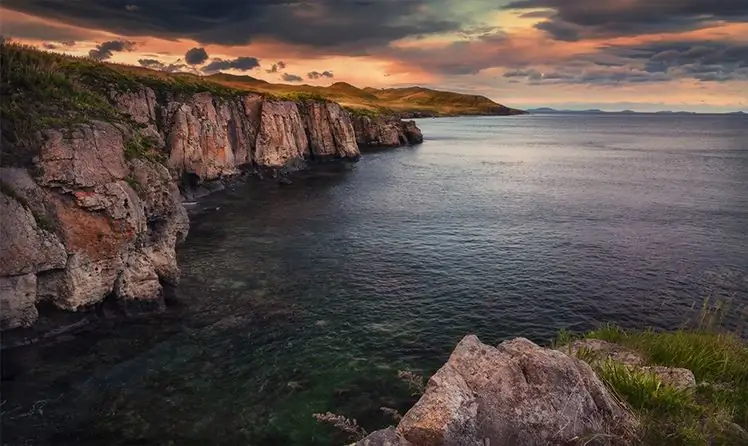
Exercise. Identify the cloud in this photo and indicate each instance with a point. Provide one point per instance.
(58, 45)
(155, 64)
(277, 67)
(337, 26)
(707, 61)
(105, 50)
(240, 63)
(288, 77)
(151, 63)
(18, 28)
(318, 75)
(574, 20)
(196, 56)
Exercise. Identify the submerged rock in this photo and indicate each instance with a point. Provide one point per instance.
(515, 394)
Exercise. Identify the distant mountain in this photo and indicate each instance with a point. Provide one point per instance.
(669, 112)
(624, 112)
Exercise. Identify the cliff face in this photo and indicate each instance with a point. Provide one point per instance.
(212, 137)
(84, 223)
(98, 213)
(385, 131)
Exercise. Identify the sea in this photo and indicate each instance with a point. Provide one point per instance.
(313, 297)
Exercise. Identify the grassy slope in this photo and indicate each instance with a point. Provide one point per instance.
(46, 90)
(401, 100)
(707, 415)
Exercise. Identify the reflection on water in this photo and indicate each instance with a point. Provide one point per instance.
(310, 297)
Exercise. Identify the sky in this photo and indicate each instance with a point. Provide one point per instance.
(645, 55)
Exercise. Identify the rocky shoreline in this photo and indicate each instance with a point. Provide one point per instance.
(93, 213)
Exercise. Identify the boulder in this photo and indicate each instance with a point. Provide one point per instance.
(597, 351)
(383, 437)
(677, 377)
(515, 394)
(593, 350)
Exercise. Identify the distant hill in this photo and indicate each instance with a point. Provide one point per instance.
(553, 110)
(410, 101)
(545, 110)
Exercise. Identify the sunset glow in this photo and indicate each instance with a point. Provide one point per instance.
(613, 55)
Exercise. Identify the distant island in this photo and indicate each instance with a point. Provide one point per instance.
(548, 110)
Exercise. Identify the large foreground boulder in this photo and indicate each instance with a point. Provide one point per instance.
(515, 394)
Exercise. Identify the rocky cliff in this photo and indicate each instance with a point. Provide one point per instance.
(385, 131)
(93, 210)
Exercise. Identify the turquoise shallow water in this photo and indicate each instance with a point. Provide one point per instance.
(310, 297)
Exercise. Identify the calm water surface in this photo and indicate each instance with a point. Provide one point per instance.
(310, 297)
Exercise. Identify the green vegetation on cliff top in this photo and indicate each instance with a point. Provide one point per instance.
(410, 100)
(43, 89)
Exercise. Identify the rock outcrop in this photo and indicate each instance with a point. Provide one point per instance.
(597, 352)
(385, 131)
(515, 394)
(88, 225)
(97, 212)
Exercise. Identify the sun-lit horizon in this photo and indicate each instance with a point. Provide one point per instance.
(612, 56)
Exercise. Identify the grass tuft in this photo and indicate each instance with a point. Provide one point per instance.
(714, 413)
(347, 425)
(138, 147)
(363, 112)
(298, 96)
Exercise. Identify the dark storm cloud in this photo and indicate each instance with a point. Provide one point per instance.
(40, 31)
(572, 20)
(277, 67)
(318, 75)
(346, 25)
(705, 61)
(288, 77)
(702, 60)
(196, 56)
(240, 63)
(589, 75)
(105, 50)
